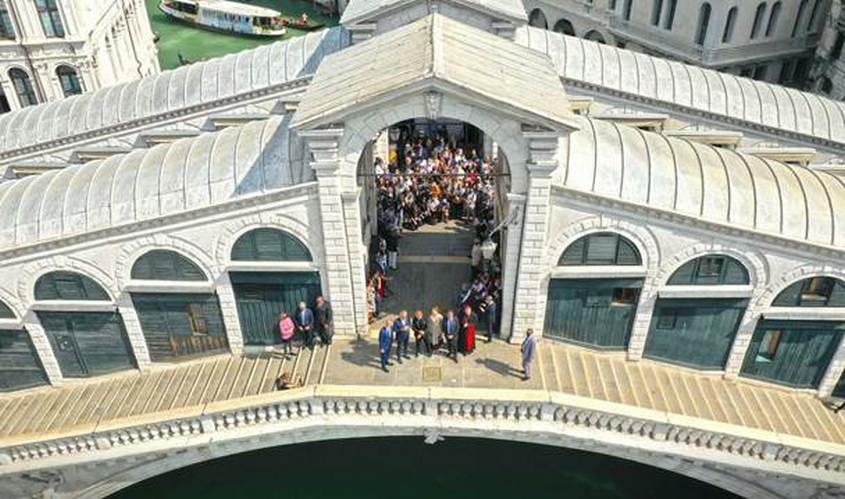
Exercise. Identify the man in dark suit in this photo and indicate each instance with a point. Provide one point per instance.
(323, 311)
(385, 342)
(451, 327)
(402, 330)
(305, 323)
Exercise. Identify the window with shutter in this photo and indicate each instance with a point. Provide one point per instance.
(601, 249)
(19, 364)
(68, 286)
(6, 312)
(269, 245)
(166, 265)
(710, 270)
(812, 292)
(87, 343)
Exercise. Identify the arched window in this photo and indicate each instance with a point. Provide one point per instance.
(269, 245)
(603, 248)
(23, 87)
(565, 27)
(758, 20)
(669, 20)
(7, 29)
(826, 85)
(538, 19)
(774, 16)
(51, 19)
(703, 23)
(799, 17)
(166, 265)
(813, 292)
(69, 80)
(710, 270)
(656, 10)
(730, 23)
(6, 312)
(63, 285)
(595, 36)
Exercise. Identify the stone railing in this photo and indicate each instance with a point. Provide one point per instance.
(436, 411)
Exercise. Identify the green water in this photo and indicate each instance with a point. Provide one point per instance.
(196, 44)
(406, 468)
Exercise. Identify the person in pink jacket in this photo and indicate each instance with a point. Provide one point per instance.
(286, 329)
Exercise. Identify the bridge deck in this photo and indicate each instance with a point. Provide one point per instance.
(84, 406)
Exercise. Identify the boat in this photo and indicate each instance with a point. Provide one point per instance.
(227, 16)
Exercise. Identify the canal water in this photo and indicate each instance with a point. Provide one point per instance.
(407, 468)
(198, 44)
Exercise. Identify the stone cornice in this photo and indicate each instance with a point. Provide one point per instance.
(818, 142)
(435, 409)
(126, 126)
(567, 194)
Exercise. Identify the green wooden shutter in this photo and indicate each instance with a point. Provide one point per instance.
(735, 273)
(165, 265)
(170, 330)
(697, 333)
(262, 296)
(685, 274)
(583, 311)
(269, 245)
(601, 249)
(6, 312)
(837, 297)
(19, 364)
(574, 254)
(627, 254)
(87, 343)
(801, 357)
(789, 297)
(68, 286)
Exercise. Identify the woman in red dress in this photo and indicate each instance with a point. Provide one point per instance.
(468, 328)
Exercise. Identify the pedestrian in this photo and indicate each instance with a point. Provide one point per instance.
(392, 247)
(402, 330)
(324, 324)
(451, 328)
(529, 352)
(491, 316)
(305, 324)
(287, 329)
(385, 342)
(476, 257)
(466, 337)
(435, 329)
(420, 327)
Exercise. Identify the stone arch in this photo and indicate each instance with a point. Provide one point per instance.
(715, 475)
(754, 263)
(565, 27)
(130, 253)
(235, 229)
(537, 18)
(642, 238)
(766, 298)
(31, 272)
(505, 131)
(595, 36)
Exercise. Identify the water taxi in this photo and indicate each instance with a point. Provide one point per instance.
(223, 15)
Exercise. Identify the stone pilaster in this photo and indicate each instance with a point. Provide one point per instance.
(834, 371)
(642, 321)
(357, 257)
(134, 333)
(334, 213)
(43, 349)
(542, 161)
(513, 242)
(229, 312)
(742, 339)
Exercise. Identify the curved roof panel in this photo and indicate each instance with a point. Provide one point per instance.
(704, 182)
(695, 89)
(170, 91)
(144, 184)
(365, 10)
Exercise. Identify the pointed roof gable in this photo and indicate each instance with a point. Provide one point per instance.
(366, 10)
(437, 53)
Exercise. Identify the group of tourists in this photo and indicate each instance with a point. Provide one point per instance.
(309, 324)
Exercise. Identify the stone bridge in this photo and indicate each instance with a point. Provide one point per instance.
(92, 438)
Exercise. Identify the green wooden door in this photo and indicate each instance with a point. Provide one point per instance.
(595, 312)
(179, 326)
(262, 296)
(792, 353)
(697, 333)
(87, 343)
(19, 364)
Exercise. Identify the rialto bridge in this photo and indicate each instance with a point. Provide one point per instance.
(668, 232)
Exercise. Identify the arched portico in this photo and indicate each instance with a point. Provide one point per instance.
(528, 122)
